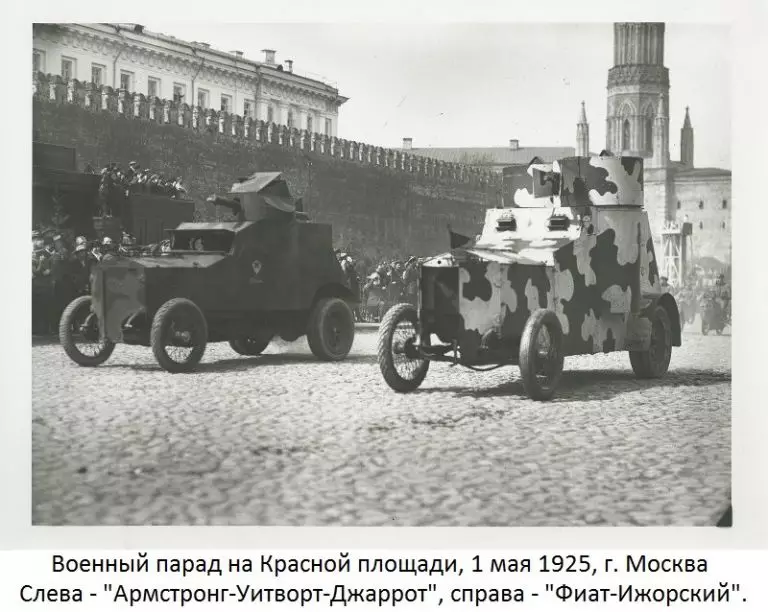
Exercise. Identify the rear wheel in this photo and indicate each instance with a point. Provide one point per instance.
(179, 335)
(331, 329)
(541, 354)
(401, 367)
(251, 345)
(79, 334)
(654, 362)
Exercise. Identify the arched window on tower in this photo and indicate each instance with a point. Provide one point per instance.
(625, 135)
(649, 134)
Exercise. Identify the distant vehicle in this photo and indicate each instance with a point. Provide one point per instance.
(267, 272)
(568, 269)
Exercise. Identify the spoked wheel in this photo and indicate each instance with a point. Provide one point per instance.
(654, 362)
(179, 335)
(331, 330)
(251, 345)
(541, 354)
(400, 364)
(79, 334)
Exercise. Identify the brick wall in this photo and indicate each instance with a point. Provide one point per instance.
(379, 201)
(702, 201)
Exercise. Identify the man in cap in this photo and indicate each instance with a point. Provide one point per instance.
(411, 280)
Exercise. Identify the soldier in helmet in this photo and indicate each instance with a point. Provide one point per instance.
(108, 249)
(83, 263)
(353, 280)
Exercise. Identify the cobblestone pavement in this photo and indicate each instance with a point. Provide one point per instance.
(283, 439)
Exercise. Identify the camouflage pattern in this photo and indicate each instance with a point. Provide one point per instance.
(584, 251)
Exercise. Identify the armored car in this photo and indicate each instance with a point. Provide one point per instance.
(264, 271)
(567, 267)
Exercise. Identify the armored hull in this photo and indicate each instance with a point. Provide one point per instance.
(575, 243)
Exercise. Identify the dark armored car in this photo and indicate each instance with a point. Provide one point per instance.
(567, 268)
(267, 272)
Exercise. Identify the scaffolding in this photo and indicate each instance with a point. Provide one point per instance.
(675, 239)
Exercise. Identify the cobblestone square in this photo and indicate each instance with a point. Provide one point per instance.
(283, 439)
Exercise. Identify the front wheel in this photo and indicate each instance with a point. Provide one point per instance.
(541, 354)
(179, 335)
(331, 330)
(79, 334)
(654, 362)
(704, 327)
(401, 367)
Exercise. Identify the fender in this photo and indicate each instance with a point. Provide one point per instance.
(668, 302)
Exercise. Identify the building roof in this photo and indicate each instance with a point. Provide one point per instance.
(704, 173)
(493, 156)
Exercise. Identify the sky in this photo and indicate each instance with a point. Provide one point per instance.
(482, 84)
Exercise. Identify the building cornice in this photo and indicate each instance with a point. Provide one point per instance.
(180, 57)
(633, 74)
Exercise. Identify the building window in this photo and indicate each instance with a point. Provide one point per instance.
(226, 104)
(625, 136)
(179, 91)
(701, 225)
(289, 122)
(701, 204)
(270, 114)
(327, 127)
(38, 60)
(678, 205)
(126, 80)
(97, 74)
(247, 109)
(725, 204)
(67, 68)
(153, 87)
(723, 225)
(309, 123)
(202, 98)
(649, 134)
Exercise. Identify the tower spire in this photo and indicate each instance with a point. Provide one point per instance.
(660, 157)
(582, 133)
(686, 141)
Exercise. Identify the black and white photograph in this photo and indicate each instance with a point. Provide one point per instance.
(381, 274)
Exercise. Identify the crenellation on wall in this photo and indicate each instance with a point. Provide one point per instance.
(376, 198)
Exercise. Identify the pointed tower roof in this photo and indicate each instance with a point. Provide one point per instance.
(583, 114)
(687, 122)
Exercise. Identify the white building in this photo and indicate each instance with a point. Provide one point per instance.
(126, 56)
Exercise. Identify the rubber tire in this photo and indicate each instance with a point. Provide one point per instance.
(250, 346)
(68, 343)
(384, 353)
(538, 319)
(163, 317)
(641, 360)
(318, 344)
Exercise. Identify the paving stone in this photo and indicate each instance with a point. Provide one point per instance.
(284, 439)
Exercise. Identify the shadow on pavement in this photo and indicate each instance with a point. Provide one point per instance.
(244, 363)
(590, 385)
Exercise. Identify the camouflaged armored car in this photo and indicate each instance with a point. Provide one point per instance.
(566, 268)
(266, 272)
